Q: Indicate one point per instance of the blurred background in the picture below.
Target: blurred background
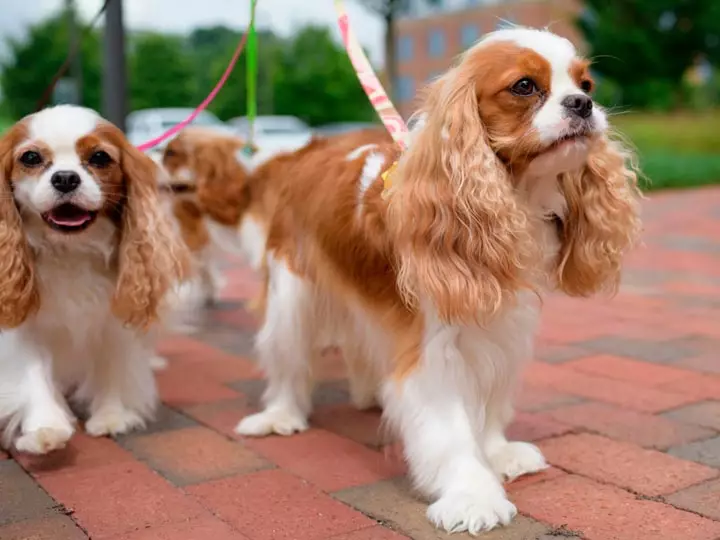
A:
(146, 63)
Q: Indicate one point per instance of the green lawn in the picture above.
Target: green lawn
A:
(676, 150)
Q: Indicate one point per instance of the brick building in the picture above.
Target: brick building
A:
(430, 37)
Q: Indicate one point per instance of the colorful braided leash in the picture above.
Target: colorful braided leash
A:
(372, 86)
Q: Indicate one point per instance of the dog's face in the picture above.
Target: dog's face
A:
(68, 177)
(66, 172)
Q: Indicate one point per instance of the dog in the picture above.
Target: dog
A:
(430, 266)
(88, 259)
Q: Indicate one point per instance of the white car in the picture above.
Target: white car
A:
(274, 133)
(146, 124)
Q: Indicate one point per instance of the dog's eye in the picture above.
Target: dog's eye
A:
(586, 86)
(31, 158)
(524, 87)
(169, 153)
(100, 159)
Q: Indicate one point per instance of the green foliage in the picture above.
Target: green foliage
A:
(315, 81)
(161, 73)
(32, 63)
(646, 46)
(675, 150)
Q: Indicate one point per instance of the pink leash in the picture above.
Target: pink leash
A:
(178, 127)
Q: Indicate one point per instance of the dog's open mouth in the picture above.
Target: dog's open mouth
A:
(69, 218)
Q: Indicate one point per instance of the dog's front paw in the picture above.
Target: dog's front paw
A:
(44, 440)
(473, 511)
(280, 421)
(515, 459)
(113, 422)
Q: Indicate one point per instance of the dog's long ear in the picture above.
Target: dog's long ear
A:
(152, 257)
(222, 181)
(462, 237)
(19, 295)
(602, 223)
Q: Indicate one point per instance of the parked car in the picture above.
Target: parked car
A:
(337, 128)
(274, 133)
(146, 124)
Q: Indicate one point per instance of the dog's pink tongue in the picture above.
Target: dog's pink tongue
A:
(70, 220)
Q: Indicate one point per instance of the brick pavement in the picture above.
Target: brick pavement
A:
(624, 400)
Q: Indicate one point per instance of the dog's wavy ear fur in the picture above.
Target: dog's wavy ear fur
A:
(19, 294)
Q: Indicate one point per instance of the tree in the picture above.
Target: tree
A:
(389, 10)
(231, 101)
(161, 73)
(645, 46)
(33, 61)
(210, 46)
(315, 81)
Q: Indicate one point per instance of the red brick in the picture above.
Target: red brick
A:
(619, 393)
(643, 471)
(640, 428)
(274, 505)
(706, 413)
(602, 512)
(330, 462)
(626, 369)
(118, 499)
(535, 426)
(533, 397)
(346, 421)
(699, 385)
(81, 452)
(527, 480)
(179, 388)
(202, 528)
(708, 363)
(181, 347)
(221, 416)
(192, 455)
(373, 533)
(49, 528)
(702, 499)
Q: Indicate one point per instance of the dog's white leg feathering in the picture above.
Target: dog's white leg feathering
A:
(509, 460)
(45, 421)
(429, 409)
(285, 347)
(124, 396)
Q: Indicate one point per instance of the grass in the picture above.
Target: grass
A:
(675, 150)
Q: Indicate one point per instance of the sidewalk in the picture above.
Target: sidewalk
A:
(624, 400)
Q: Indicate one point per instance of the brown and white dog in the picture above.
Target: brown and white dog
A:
(222, 199)
(208, 176)
(511, 188)
(87, 259)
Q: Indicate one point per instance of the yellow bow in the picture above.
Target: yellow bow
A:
(387, 178)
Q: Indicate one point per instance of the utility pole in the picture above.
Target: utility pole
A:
(114, 66)
(75, 50)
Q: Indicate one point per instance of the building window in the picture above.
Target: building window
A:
(469, 35)
(436, 43)
(405, 88)
(405, 48)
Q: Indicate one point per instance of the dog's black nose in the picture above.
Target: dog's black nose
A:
(65, 181)
(579, 105)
